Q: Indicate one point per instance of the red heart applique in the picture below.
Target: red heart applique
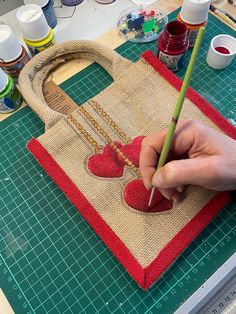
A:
(132, 150)
(107, 164)
(137, 197)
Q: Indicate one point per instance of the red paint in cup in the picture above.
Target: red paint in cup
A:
(172, 45)
(223, 50)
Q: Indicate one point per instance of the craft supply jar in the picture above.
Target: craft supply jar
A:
(192, 30)
(48, 10)
(37, 34)
(13, 56)
(10, 97)
(194, 14)
(172, 45)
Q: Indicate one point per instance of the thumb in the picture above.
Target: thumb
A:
(181, 172)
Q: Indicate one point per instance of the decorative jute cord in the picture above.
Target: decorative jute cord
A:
(88, 137)
(85, 134)
(97, 107)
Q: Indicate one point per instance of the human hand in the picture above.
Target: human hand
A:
(210, 162)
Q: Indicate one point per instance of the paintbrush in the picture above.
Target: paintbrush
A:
(224, 15)
(170, 134)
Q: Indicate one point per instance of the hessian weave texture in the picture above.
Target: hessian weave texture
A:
(101, 176)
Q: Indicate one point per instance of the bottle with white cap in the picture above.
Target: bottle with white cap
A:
(37, 33)
(194, 14)
(13, 55)
(48, 10)
(3, 81)
(10, 98)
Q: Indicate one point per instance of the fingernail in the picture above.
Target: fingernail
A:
(147, 185)
(166, 195)
(157, 179)
(176, 197)
(179, 189)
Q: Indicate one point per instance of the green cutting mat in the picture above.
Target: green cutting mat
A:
(50, 259)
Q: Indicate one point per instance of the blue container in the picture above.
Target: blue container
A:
(49, 13)
(71, 2)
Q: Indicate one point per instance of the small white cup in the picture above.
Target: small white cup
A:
(216, 59)
(33, 22)
(10, 48)
(195, 11)
(3, 80)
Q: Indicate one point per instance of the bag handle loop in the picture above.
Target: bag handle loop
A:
(35, 72)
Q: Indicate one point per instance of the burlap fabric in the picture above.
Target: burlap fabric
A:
(140, 101)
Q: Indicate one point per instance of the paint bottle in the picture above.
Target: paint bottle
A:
(37, 34)
(48, 10)
(194, 14)
(71, 2)
(172, 45)
(10, 97)
(13, 56)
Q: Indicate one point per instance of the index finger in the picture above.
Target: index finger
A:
(150, 150)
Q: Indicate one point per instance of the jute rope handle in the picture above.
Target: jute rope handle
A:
(36, 71)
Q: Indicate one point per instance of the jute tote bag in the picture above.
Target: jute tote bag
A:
(92, 154)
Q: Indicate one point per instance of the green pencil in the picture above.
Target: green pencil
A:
(170, 134)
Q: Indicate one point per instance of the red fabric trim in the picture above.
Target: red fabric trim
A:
(192, 95)
(145, 277)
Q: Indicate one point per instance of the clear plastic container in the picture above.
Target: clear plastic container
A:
(140, 25)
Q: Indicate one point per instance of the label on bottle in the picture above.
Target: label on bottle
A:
(14, 68)
(192, 35)
(11, 101)
(174, 63)
(36, 49)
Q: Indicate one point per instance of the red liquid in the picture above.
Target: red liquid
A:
(172, 45)
(223, 50)
(174, 39)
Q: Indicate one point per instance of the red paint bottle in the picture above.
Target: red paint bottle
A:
(172, 45)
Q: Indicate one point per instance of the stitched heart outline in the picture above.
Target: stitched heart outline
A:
(106, 164)
(140, 203)
(109, 165)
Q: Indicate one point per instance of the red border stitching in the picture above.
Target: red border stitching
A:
(145, 277)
